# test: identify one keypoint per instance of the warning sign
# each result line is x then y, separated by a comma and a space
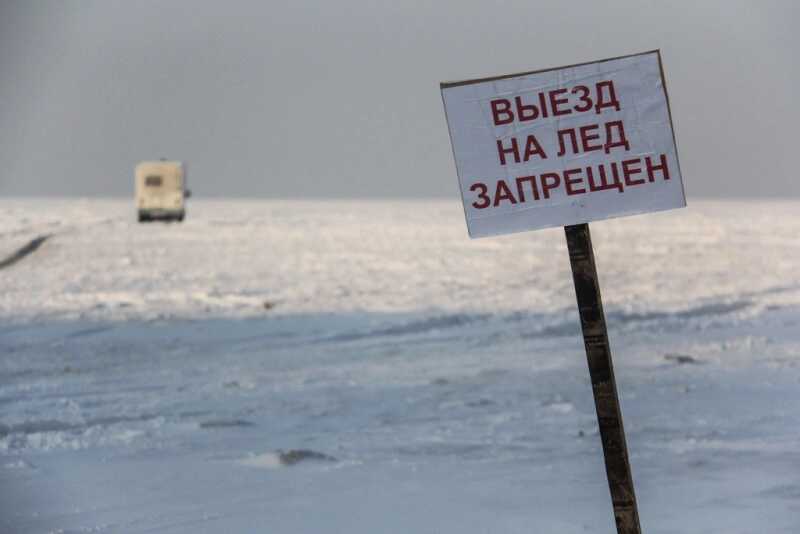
564, 146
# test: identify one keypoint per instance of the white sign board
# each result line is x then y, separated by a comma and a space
564, 146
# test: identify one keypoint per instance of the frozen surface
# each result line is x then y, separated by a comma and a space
155, 378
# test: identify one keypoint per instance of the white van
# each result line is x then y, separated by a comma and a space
161, 190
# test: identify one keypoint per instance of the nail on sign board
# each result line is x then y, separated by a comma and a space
564, 146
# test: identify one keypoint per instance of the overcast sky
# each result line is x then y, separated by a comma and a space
321, 99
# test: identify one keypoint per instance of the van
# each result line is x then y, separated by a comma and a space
161, 190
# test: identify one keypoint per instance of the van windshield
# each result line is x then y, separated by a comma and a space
153, 181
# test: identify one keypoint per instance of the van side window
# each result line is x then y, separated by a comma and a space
153, 181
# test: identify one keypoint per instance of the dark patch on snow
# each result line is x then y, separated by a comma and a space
479, 403
423, 326
784, 491
226, 423
193, 413
25, 250
295, 456
55, 425
682, 359
88, 331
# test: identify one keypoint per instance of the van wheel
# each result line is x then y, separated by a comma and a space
143, 218
180, 217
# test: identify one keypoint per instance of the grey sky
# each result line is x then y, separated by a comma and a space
318, 99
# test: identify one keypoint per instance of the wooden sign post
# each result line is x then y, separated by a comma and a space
601, 372
562, 147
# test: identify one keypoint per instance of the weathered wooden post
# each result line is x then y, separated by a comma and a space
601, 372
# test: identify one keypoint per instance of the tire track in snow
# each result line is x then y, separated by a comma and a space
29, 248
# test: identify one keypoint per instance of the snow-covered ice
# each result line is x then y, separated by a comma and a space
362, 366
